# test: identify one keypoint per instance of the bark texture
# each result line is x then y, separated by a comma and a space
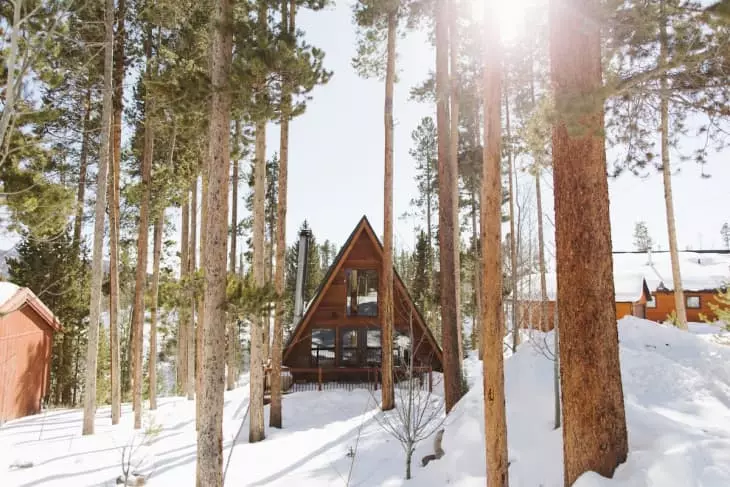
513, 237
594, 429
182, 332
454, 162
256, 425
495, 417
156, 254
200, 305
192, 262
679, 302
449, 331
386, 335
232, 340
140, 276
92, 350
275, 414
210, 430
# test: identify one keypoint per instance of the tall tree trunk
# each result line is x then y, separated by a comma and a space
476, 338
97, 252
387, 324
256, 424
495, 417
514, 325
118, 108
83, 164
156, 254
140, 276
275, 413
200, 330
449, 332
454, 162
594, 428
210, 431
232, 341
182, 332
192, 267
679, 302
541, 253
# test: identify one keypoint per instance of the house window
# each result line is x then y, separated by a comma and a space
323, 347
401, 349
693, 302
362, 292
348, 347
651, 302
372, 347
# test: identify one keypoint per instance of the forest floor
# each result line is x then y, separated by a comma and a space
677, 394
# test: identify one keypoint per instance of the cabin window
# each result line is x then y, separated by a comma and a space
651, 302
348, 347
362, 292
693, 302
323, 347
372, 347
401, 349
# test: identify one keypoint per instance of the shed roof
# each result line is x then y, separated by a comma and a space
14, 297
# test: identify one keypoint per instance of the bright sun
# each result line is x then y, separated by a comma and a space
512, 15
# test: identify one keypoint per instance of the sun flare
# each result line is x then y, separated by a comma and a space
513, 15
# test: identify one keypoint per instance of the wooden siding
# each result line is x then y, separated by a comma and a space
330, 310
665, 306
25, 352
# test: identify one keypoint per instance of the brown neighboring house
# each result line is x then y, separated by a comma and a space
339, 334
26, 338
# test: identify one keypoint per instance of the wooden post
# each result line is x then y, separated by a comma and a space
430, 379
319, 377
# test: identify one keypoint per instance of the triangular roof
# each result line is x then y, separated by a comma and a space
363, 226
13, 297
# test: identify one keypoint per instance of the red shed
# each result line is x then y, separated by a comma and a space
26, 337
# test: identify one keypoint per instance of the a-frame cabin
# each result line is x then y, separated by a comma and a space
339, 335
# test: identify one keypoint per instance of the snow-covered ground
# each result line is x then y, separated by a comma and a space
676, 385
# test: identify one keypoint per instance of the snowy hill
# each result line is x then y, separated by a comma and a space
676, 385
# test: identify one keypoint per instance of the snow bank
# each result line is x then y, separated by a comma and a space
677, 394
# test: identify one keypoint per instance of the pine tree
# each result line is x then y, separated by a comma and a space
594, 427
495, 416
642, 240
96, 272
424, 152
210, 431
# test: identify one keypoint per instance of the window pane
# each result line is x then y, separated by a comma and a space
373, 338
323, 338
651, 302
693, 302
349, 338
362, 292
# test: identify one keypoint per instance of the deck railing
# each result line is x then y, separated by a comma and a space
350, 378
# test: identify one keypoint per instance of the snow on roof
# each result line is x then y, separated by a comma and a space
700, 271
628, 286
7, 291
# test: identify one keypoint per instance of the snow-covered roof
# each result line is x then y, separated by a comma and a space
7, 291
700, 271
14, 297
628, 286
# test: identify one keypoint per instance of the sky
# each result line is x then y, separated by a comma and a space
336, 153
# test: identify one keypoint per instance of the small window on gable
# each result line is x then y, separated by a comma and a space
651, 302
323, 347
693, 302
362, 292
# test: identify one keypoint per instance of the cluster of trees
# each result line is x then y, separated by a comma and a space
208, 76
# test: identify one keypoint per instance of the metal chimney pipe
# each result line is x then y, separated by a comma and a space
303, 250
